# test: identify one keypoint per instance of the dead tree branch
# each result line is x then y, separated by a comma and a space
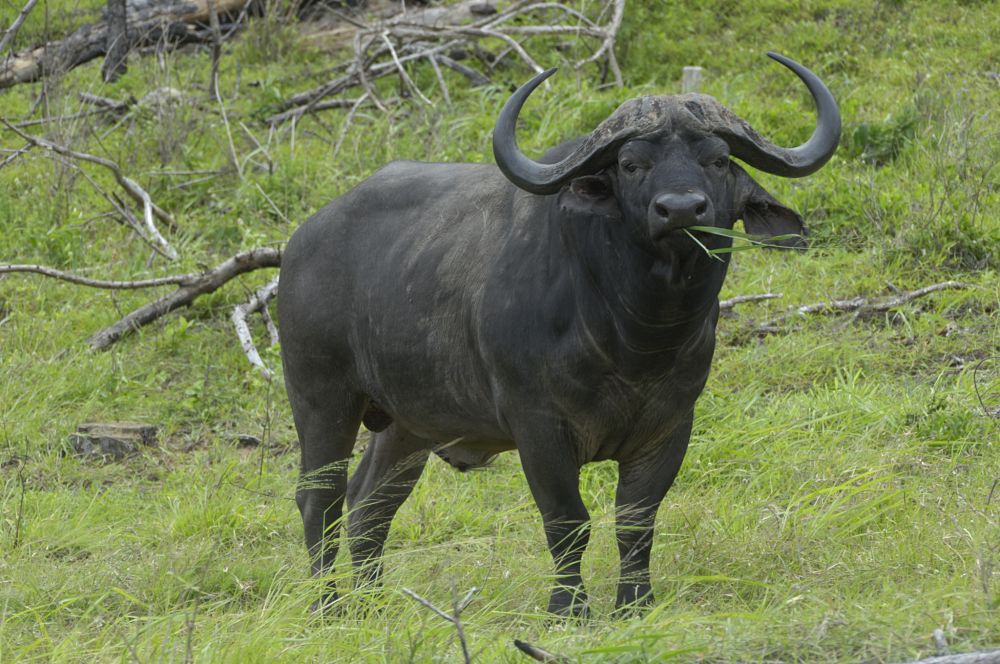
80, 280
741, 299
116, 60
11, 32
444, 35
982, 657
257, 302
860, 305
131, 187
201, 284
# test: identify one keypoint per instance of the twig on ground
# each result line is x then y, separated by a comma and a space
257, 302
455, 618
539, 654
982, 657
319, 106
15, 154
99, 283
741, 299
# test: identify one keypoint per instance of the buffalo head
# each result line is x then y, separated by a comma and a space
662, 164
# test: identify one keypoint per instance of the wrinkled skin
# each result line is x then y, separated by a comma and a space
455, 313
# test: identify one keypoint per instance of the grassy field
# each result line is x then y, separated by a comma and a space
839, 501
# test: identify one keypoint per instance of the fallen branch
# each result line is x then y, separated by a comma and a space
99, 283
741, 299
257, 302
201, 284
982, 657
861, 305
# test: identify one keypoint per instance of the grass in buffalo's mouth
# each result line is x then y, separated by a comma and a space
753, 241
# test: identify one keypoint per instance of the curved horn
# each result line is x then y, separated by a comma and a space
523, 172
809, 157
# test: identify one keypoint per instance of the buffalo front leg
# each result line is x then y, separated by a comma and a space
642, 484
554, 479
390, 467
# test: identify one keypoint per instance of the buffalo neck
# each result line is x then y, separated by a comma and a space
658, 301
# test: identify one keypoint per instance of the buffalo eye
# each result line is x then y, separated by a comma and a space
629, 166
720, 162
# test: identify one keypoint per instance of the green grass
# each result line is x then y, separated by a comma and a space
839, 499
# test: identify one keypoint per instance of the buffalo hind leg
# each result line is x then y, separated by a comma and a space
554, 479
390, 467
642, 484
327, 422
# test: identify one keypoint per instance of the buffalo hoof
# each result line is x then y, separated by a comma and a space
324, 606
633, 598
569, 603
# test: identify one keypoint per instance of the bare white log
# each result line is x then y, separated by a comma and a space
257, 302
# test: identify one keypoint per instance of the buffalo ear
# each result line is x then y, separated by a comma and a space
763, 215
591, 195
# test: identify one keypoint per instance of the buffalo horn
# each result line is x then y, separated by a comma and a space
525, 173
809, 157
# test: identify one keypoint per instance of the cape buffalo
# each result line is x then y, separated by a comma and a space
557, 307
